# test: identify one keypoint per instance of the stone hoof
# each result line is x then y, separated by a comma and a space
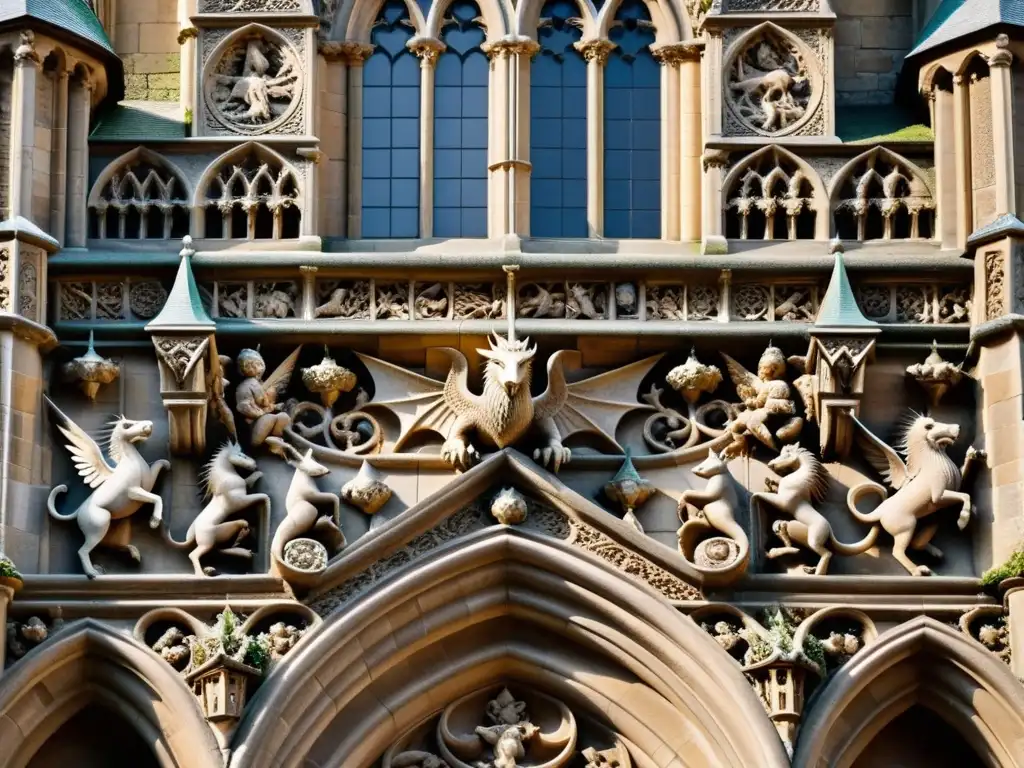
210, 570
923, 570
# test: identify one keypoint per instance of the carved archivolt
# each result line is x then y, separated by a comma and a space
140, 195
251, 193
772, 195
773, 82
253, 81
880, 195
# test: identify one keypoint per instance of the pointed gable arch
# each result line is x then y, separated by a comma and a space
90, 663
669, 24
496, 14
919, 662
353, 21
528, 15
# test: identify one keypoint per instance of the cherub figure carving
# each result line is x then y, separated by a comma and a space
928, 481
767, 399
511, 728
505, 411
256, 399
119, 489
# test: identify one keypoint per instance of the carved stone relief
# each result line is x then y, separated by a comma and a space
28, 285
275, 300
349, 300
432, 301
995, 289
916, 304
768, 6
251, 6
5, 280
391, 301
683, 302
772, 200
146, 298
255, 84
882, 196
479, 301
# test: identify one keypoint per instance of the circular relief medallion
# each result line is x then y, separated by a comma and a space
716, 552
254, 85
306, 555
773, 82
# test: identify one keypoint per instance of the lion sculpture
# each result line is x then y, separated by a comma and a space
926, 482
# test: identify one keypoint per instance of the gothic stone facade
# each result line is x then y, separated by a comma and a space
550, 383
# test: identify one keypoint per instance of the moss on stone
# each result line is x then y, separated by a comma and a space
1011, 568
8, 569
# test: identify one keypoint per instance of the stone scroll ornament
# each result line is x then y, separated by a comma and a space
927, 481
228, 494
506, 411
804, 482
119, 489
255, 84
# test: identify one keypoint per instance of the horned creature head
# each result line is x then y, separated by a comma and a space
509, 363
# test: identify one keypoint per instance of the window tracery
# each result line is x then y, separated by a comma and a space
772, 200
881, 196
254, 196
144, 198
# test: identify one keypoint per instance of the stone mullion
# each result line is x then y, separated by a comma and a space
80, 105
58, 212
962, 152
595, 52
668, 58
712, 237
23, 125
1002, 126
691, 143
357, 54
428, 51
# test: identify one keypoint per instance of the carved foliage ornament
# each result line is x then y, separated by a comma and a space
773, 81
255, 84
180, 354
250, 6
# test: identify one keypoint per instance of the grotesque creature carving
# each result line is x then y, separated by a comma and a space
505, 411
256, 399
804, 480
766, 397
718, 505
229, 494
509, 731
769, 84
119, 489
928, 481
255, 83
300, 503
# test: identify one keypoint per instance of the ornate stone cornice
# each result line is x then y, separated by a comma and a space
427, 49
188, 33
352, 53
1002, 57
595, 50
511, 47
26, 52
677, 53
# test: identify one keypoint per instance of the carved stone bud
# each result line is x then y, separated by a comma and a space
693, 378
935, 375
509, 507
91, 371
366, 491
328, 379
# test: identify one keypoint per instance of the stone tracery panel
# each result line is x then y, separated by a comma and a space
252, 194
141, 196
881, 195
772, 199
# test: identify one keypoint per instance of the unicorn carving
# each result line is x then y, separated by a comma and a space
229, 494
119, 489
506, 411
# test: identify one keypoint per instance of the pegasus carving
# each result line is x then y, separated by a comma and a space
926, 482
506, 411
119, 489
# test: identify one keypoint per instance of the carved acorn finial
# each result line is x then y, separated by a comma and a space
328, 379
91, 371
366, 491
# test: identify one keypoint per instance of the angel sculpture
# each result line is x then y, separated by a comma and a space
506, 411
767, 398
119, 489
926, 482
256, 398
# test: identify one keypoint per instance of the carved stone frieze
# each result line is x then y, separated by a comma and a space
349, 300
110, 301
432, 301
28, 288
5, 280
146, 298
768, 6
251, 6
995, 285
391, 301
915, 303
683, 302
275, 300
479, 301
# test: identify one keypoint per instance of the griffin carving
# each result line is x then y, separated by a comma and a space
119, 489
506, 411
928, 481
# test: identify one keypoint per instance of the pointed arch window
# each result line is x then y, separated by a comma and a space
632, 128
391, 129
460, 126
558, 126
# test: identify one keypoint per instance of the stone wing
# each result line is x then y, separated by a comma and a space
277, 382
595, 405
85, 453
747, 384
882, 457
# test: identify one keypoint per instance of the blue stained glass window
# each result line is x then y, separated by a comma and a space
460, 126
391, 129
632, 128
558, 127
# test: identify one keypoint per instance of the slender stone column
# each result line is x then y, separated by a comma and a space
428, 50
713, 239
331, 128
59, 185
79, 108
669, 56
1002, 125
187, 41
962, 150
595, 52
23, 125
357, 54
691, 142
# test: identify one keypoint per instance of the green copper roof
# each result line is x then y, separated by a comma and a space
839, 307
74, 16
956, 18
184, 309
141, 121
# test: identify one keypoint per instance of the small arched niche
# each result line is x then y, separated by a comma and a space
84, 741
140, 195
900, 744
772, 195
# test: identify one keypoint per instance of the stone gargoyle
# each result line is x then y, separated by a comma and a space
229, 494
119, 489
506, 411
928, 481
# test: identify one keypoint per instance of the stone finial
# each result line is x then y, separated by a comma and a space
187, 250
509, 507
1002, 57
629, 491
693, 378
935, 375
91, 371
835, 246
328, 379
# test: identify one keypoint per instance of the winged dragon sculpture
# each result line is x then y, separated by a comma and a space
120, 489
506, 411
